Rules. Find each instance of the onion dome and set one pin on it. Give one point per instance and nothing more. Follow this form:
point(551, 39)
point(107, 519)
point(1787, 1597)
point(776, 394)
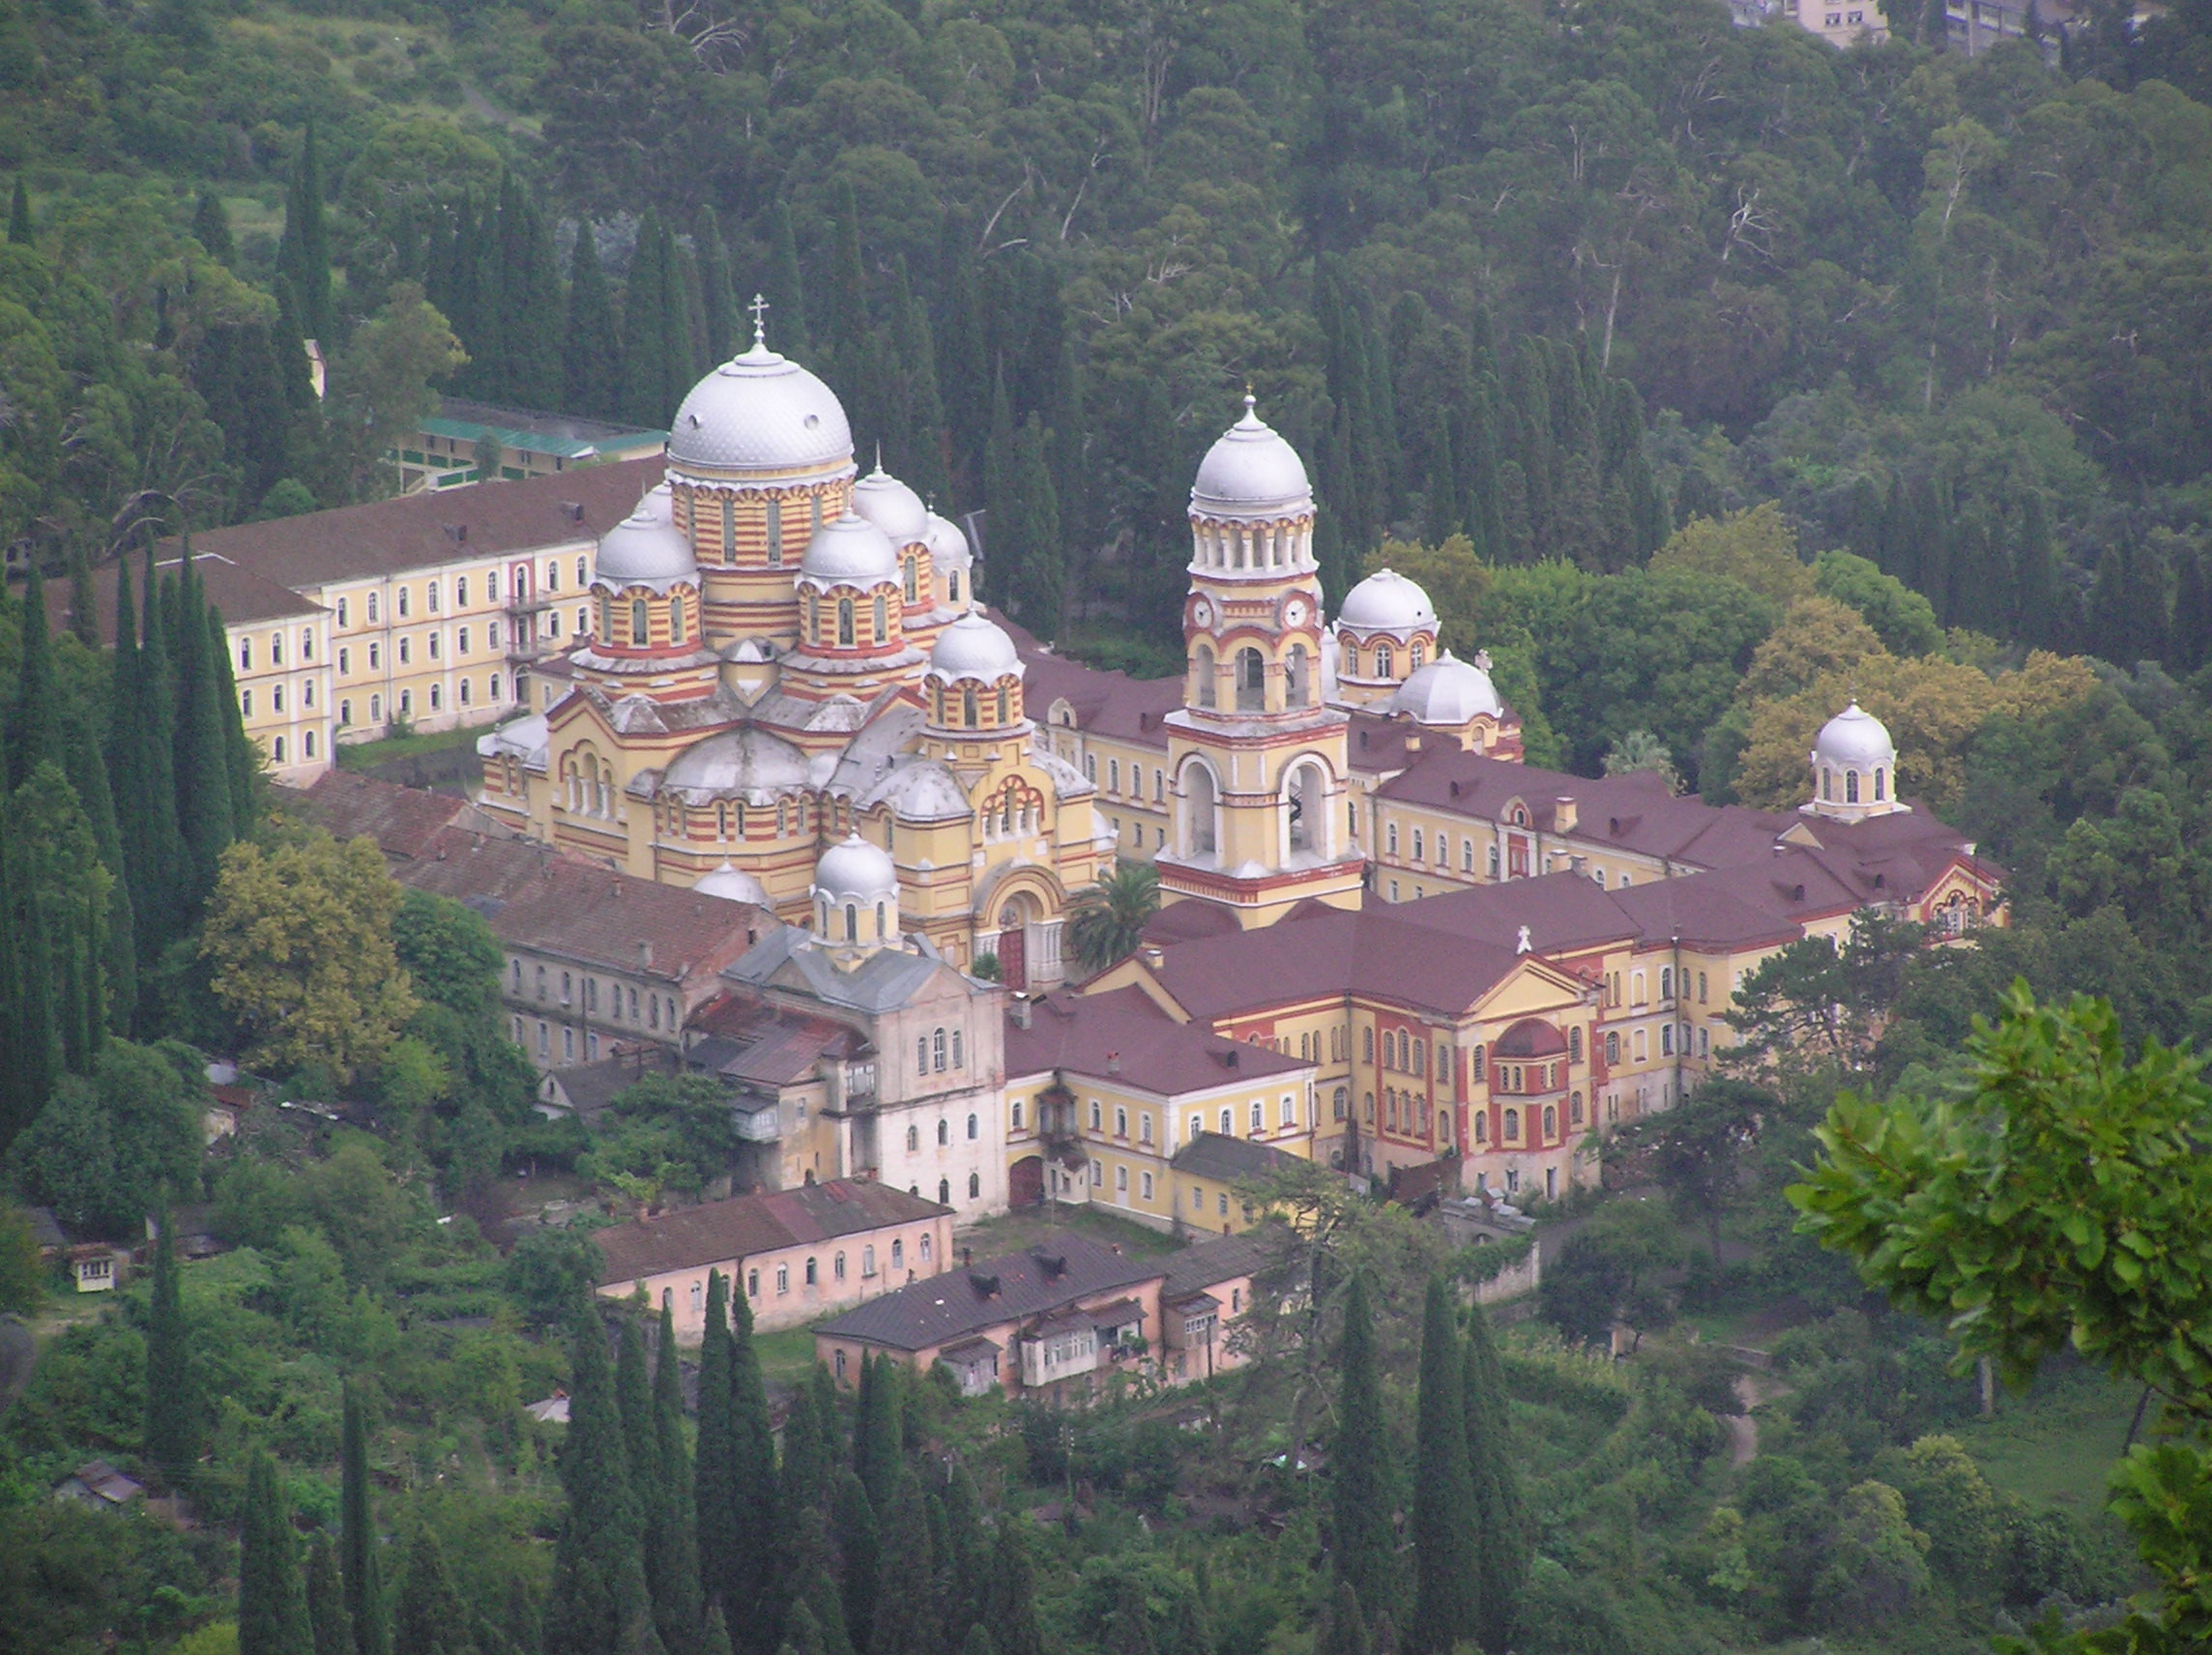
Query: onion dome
point(644, 550)
point(850, 551)
point(949, 547)
point(732, 883)
point(760, 412)
point(746, 762)
point(856, 871)
point(1386, 601)
point(1449, 691)
point(974, 646)
point(1854, 739)
point(891, 506)
point(1251, 470)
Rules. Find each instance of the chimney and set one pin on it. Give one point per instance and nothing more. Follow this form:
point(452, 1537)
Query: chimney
point(1019, 1008)
point(1113, 1058)
point(645, 953)
point(1563, 814)
point(572, 510)
point(458, 532)
point(1155, 956)
point(1455, 790)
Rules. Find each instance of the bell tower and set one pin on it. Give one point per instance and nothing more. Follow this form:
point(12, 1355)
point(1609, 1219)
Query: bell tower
point(1260, 762)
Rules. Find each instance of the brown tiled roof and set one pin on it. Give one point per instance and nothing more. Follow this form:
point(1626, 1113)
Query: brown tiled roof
point(1108, 704)
point(1194, 1270)
point(943, 1309)
point(405, 821)
point(1218, 1155)
point(1092, 1034)
point(723, 1230)
point(1565, 912)
point(1376, 744)
point(242, 596)
point(747, 1039)
point(422, 531)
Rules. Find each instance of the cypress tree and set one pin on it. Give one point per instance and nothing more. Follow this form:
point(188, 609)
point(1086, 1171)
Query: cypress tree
point(1130, 1623)
point(751, 1590)
point(1446, 1582)
point(784, 288)
point(853, 1519)
point(1344, 1629)
point(672, 1551)
point(87, 770)
point(272, 1602)
point(922, 461)
point(240, 757)
point(363, 1575)
point(812, 1561)
point(1010, 1599)
point(2035, 576)
point(716, 1638)
point(979, 1642)
point(716, 301)
point(173, 1389)
point(964, 363)
point(1041, 585)
point(876, 1430)
point(965, 1560)
point(20, 229)
point(202, 761)
point(600, 1598)
point(1363, 1495)
point(687, 335)
point(847, 319)
point(146, 740)
point(646, 323)
point(1001, 559)
point(715, 1493)
point(907, 1607)
point(633, 1401)
point(431, 1619)
point(303, 254)
point(1500, 1524)
point(533, 298)
point(34, 724)
point(592, 360)
point(331, 1631)
point(211, 228)
point(1445, 514)
point(1067, 425)
point(2192, 611)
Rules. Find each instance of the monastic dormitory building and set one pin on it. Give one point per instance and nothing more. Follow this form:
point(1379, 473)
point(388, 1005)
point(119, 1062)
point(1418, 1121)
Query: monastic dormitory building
point(1385, 940)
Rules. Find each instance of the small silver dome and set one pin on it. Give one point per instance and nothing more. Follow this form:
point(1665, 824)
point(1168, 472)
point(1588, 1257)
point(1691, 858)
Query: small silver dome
point(948, 545)
point(856, 871)
point(747, 761)
point(644, 550)
point(850, 551)
point(974, 646)
point(891, 506)
point(1449, 691)
point(732, 883)
point(1854, 738)
point(1251, 470)
point(1386, 601)
point(658, 503)
point(761, 412)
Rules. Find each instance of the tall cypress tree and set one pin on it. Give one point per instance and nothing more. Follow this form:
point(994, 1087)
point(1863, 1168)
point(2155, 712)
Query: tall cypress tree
point(1344, 1631)
point(202, 762)
point(34, 723)
point(805, 1477)
point(211, 227)
point(1041, 585)
point(592, 358)
point(813, 1566)
point(852, 1517)
point(531, 299)
point(151, 758)
point(1003, 553)
point(672, 1550)
point(20, 228)
point(907, 1604)
point(331, 1631)
point(431, 1619)
point(173, 1389)
point(876, 1430)
point(1500, 1525)
point(600, 1598)
point(1363, 1495)
point(272, 1601)
point(846, 317)
point(87, 770)
point(714, 1495)
point(751, 1593)
point(646, 325)
point(363, 1574)
point(242, 758)
point(717, 305)
point(1446, 1581)
point(303, 254)
point(1010, 1599)
point(785, 289)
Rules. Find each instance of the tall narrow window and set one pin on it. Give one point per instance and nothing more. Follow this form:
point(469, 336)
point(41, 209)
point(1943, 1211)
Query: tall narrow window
point(775, 534)
point(882, 620)
point(638, 633)
point(845, 620)
point(676, 620)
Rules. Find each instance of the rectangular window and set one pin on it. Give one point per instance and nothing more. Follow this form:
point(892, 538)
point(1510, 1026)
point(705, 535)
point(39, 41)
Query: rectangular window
point(1147, 1186)
point(245, 703)
point(431, 592)
point(345, 662)
point(775, 534)
point(344, 611)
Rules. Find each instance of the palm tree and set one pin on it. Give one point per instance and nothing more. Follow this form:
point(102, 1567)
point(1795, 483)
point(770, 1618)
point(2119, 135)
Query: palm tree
point(1642, 750)
point(1107, 920)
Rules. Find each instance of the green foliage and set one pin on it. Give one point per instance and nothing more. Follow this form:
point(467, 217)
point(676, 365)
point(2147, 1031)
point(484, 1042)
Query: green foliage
point(106, 1145)
point(1105, 922)
point(23, 1274)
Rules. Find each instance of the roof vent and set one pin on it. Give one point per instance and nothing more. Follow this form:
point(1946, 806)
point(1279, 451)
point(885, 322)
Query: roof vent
point(1613, 827)
point(457, 532)
point(1052, 1264)
point(572, 510)
point(1796, 893)
point(1113, 1058)
point(986, 1287)
point(1455, 790)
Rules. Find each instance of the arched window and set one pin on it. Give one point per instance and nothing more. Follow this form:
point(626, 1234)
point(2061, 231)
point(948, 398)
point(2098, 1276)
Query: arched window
point(837, 1267)
point(1512, 1124)
point(1551, 1121)
point(943, 1133)
point(925, 1249)
point(882, 618)
point(852, 922)
point(1228, 1122)
point(913, 1139)
point(943, 1195)
point(936, 1062)
point(913, 578)
point(676, 620)
point(1382, 660)
point(1881, 779)
point(1575, 1109)
point(1575, 1044)
point(1850, 787)
point(845, 620)
point(974, 1192)
point(639, 632)
point(974, 1126)
point(814, 1272)
point(1251, 680)
point(1294, 677)
point(1828, 778)
point(1415, 655)
point(1005, 709)
point(1202, 667)
point(969, 714)
point(1309, 821)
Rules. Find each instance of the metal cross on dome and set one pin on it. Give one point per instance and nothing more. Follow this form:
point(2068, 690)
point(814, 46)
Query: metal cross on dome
point(760, 308)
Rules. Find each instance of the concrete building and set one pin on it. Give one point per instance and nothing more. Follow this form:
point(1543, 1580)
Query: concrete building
point(452, 446)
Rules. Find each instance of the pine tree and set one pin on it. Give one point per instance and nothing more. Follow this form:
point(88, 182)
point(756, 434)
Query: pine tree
point(363, 1573)
point(672, 1551)
point(431, 1619)
point(1446, 1582)
point(600, 1598)
point(333, 1632)
point(1363, 1495)
point(716, 302)
point(303, 254)
point(592, 360)
point(646, 325)
point(20, 229)
point(784, 289)
point(173, 1421)
point(907, 1607)
point(1500, 1523)
point(751, 1591)
point(272, 1599)
point(852, 1517)
point(715, 1493)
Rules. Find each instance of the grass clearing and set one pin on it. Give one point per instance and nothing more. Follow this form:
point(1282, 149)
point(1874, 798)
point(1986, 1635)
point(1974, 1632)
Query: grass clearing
point(1014, 1232)
point(2056, 1445)
point(368, 755)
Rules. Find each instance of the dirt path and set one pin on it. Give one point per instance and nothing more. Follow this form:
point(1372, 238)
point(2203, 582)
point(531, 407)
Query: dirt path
point(1751, 1390)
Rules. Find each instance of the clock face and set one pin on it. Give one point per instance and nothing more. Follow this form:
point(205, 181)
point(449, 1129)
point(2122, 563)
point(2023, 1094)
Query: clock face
point(1201, 613)
point(1295, 613)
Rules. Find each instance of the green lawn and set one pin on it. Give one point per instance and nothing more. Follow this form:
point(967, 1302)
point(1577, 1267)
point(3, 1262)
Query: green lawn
point(368, 755)
point(785, 1358)
point(2057, 1444)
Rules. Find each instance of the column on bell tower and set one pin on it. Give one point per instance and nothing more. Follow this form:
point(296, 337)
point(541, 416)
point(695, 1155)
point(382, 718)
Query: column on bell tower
point(1259, 760)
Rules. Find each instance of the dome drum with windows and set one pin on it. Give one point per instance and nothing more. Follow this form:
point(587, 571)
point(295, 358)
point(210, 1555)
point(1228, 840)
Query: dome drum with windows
point(856, 896)
point(974, 682)
point(1854, 768)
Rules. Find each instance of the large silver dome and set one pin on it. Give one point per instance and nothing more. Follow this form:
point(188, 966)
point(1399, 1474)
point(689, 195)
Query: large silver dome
point(1449, 691)
point(891, 506)
point(761, 412)
point(1386, 601)
point(747, 761)
point(644, 549)
point(975, 648)
point(856, 871)
point(850, 551)
point(1252, 471)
